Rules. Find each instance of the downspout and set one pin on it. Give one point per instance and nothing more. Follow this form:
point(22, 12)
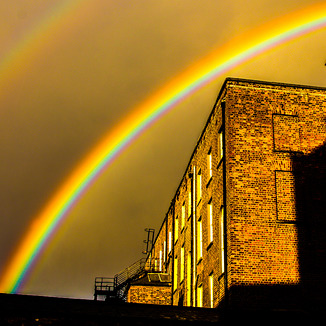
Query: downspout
point(172, 248)
point(226, 290)
point(191, 176)
point(194, 236)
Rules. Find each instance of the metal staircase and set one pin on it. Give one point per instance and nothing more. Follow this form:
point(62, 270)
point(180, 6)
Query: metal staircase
point(115, 287)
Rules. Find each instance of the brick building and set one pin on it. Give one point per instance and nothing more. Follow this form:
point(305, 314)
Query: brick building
point(246, 227)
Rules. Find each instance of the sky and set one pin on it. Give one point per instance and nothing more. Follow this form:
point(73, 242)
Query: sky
point(69, 85)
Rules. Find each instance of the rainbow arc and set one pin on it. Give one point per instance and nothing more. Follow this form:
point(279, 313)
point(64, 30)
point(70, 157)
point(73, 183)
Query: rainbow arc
point(236, 52)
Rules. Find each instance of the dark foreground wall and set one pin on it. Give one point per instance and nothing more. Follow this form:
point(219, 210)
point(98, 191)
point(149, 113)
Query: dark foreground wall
point(33, 310)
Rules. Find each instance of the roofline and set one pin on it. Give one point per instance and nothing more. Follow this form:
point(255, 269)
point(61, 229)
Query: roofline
point(219, 96)
point(261, 82)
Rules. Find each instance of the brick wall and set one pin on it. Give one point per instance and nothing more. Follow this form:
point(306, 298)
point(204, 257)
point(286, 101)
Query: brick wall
point(261, 189)
point(267, 127)
point(149, 294)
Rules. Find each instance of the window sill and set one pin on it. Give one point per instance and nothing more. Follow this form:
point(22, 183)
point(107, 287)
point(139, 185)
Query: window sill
point(209, 246)
point(219, 163)
point(209, 182)
point(199, 260)
point(219, 278)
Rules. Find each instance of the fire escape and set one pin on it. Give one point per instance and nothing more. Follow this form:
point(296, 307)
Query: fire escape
point(116, 287)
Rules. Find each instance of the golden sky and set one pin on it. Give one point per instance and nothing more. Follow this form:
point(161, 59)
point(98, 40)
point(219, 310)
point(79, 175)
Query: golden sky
point(82, 78)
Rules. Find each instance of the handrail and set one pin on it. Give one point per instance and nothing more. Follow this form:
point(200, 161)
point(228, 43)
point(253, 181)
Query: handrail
point(130, 272)
point(117, 285)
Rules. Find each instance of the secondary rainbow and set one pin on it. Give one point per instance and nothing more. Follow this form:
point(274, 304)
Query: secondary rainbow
point(223, 59)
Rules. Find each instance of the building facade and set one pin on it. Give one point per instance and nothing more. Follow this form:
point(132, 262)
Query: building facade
point(246, 227)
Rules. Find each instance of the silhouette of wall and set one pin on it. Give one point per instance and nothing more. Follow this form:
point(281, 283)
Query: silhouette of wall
point(310, 184)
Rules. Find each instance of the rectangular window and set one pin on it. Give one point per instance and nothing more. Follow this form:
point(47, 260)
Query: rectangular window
point(211, 290)
point(182, 263)
point(199, 239)
point(220, 145)
point(199, 185)
point(170, 241)
point(160, 266)
point(176, 229)
point(189, 279)
point(200, 295)
point(209, 164)
point(286, 133)
point(164, 251)
point(175, 273)
point(210, 220)
point(183, 215)
point(189, 204)
point(222, 240)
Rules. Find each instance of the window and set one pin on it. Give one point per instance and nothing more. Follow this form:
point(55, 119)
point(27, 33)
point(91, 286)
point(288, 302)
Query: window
point(170, 241)
point(222, 240)
point(286, 133)
point(183, 215)
point(199, 184)
point(164, 251)
point(175, 273)
point(210, 220)
point(220, 145)
point(189, 279)
point(209, 164)
point(160, 266)
point(199, 239)
point(189, 203)
point(211, 290)
point(182, 263)
point(200, 295)
point(176, 228)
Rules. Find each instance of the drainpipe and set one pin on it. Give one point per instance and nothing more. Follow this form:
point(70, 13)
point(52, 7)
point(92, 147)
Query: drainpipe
point(191, 176)
point(194, 236)
point(172, 248)
point(226, 291)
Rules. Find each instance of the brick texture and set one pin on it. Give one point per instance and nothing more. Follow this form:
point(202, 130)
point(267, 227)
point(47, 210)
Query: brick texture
point(254, 164)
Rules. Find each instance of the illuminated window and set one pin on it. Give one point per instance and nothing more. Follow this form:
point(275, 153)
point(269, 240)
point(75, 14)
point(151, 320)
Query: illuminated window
point(200, 295)
point(210, 220)
point(183, 215)
point(176, 228)
point(189, 203)
point(209, 164)
point(211, 290)
point(199, 185)
point(182, 263)
point(199, 239)
point(189, 279)
point(220, 145)
point(175, 273)
point(160, 261)
point(170, 241)
point(164, 251)
point(222, 239)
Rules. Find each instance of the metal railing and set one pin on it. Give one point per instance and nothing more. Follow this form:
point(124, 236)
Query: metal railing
point(116, 286)
point(105, 286)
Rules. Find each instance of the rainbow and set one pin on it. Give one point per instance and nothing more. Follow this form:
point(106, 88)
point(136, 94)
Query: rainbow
point(236, 52)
